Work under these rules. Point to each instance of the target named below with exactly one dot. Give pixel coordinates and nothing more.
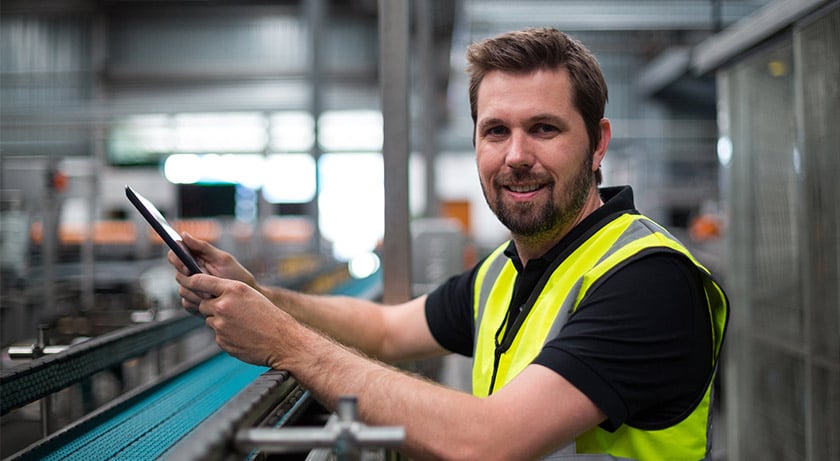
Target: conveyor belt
(51, 373)
(149, 422)
(146, 426)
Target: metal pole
(393, 40)
(49, 240)
(46, 402)
(315, 12)
(343, 434)
(346, 448)
(426, 81)
(99, 55)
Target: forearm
(357, 323)
(533, 415)
(439, 422)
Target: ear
(601, 148)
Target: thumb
(203, 283)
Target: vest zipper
(497, 358)
(507, 334)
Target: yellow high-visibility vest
(620, 240)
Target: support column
(393, 40)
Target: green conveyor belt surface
(147, 428)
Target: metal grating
(817, 43)
(779, 106)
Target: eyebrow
(550, 118)
(488, 122)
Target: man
(592, 330)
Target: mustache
(520, 177)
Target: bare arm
(389, 333)
(534, 414)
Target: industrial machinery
(210, 406)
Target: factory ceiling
(109, 58)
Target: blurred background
(326, 140)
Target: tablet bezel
(158, 222)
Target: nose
(520, 153)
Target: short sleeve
(449, 314)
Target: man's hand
(247, 325)
(212, 261)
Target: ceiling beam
(496, 15)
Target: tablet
(159, 224)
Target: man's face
(532, 151)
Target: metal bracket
(344, 434)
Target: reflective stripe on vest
(568, 281)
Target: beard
(533, 219)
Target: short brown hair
(530, 50)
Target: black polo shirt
(639, 345)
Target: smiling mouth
(524, 188)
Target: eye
(495, 131)
(544, 128)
